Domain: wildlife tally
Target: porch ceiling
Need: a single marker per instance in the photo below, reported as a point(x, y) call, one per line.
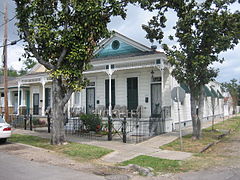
point(120, 69)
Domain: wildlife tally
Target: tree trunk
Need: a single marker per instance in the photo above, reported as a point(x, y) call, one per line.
point(213, 111)
point(194, 115)
point(197, 113)
point(58, 133)
point(200, 113)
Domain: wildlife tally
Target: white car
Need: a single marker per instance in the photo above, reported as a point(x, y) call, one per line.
point(5, 130)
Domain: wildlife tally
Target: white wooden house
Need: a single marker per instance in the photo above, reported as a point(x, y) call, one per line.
point(124, 73)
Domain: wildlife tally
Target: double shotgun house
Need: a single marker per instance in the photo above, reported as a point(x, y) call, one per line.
point(126, 79)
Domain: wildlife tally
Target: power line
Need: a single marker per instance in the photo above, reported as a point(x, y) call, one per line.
point(11, 43)
point(8, 21)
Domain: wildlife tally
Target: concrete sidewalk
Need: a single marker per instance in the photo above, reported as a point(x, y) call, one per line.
point(124, 151)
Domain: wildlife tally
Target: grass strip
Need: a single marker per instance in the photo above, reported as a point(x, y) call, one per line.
point(158, 164)
point(208, 136)
point(78, 151)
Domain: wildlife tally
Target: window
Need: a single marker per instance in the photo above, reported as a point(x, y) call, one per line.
point(115, 45)
point(77, 98)
point(158, 61)
point(1, 120)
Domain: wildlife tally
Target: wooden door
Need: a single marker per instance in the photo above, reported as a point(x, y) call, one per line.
point(35, 104)
point(107, 93)
point(132, 93)
point(156, 96)
point(47, 98)
point(90, 103)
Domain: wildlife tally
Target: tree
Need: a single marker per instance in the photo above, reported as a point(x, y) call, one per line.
point(62, 36)
point(233, 87)
point(203, 30)
point(27, 66)
point(11, 72)
point(213, 105)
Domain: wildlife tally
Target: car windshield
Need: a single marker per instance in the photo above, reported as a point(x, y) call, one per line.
point(1, 120)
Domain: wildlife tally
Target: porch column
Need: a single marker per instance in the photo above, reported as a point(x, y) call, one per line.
point(161, 68)
point(110, 72)
point(162, 74)
point(18, 107)
point(22, 97)
point(43, 97)
point(69, 104)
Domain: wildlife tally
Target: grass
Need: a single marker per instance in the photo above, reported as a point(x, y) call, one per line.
point(208, 136)
point(158, 164)
point(81, 152)
point(199, 160)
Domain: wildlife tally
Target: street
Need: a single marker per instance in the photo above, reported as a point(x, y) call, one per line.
point(15, 168)
point(226, 173)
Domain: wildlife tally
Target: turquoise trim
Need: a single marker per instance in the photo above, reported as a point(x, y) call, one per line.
point(220, 94)
point(207, 92)
point(185, 87)
point(214, 93)
point(114, 50)
point(15, 87)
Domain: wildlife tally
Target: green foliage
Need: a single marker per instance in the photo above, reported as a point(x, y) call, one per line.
point(38, 122)
point(28, 65)
point(233, 87)
point(62, 35)
point(11, 72)
point(92, 122)
point(203, 30)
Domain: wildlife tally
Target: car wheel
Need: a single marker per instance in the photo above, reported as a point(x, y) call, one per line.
point(3, 140)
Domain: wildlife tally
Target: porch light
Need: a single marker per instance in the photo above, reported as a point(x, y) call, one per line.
point(152, 72)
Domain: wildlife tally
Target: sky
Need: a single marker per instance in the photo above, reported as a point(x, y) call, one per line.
point(130, 27)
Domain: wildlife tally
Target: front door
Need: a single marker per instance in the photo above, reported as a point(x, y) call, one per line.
point(90, 104)
point(132, 93)
point(35, 104)
point(107, 92)
point(15, 103)
point(47, 98)
point(156, 96)
point(28, 101)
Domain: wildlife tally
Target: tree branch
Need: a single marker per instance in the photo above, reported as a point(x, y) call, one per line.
point(35, 53)
point(61, 58)
point(67, 96)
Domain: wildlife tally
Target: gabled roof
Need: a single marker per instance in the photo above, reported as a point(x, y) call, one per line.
point(118, 45)
point(124, 48)
point(37, 68)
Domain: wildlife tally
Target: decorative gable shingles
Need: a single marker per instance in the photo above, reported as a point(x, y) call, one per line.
point(123, 48)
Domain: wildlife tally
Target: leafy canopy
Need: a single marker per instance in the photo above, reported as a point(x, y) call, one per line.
point(233, 87)
point(62, 34)
point(202, 31)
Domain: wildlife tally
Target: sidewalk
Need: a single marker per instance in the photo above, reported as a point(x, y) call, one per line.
point(124, 151)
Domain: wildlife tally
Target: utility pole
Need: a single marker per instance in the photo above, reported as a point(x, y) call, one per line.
point(5, 63)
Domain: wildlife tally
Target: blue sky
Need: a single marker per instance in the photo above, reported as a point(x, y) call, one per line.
point(130, 27)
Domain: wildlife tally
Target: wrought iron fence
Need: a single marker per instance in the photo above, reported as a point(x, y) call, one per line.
point(129, 130)
point(28, 122)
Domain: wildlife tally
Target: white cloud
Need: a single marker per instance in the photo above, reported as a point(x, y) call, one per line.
point(132, 28)
point(14, 53)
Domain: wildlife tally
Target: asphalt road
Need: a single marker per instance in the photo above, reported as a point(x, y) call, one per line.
point(220, 174)
point(15, 168)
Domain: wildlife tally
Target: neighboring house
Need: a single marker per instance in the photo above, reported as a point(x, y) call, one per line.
point(126, 74)
point(15, 101)
point(228, 104)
